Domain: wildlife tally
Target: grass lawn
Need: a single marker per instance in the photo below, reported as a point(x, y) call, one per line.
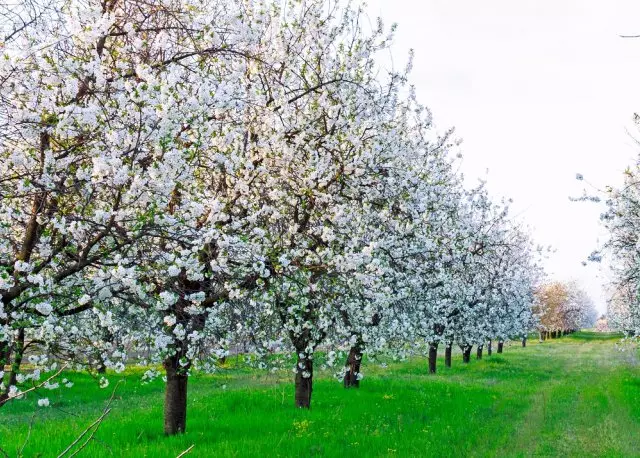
point(574, 396)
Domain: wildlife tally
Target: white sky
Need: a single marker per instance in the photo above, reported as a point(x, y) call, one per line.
point(538, 90)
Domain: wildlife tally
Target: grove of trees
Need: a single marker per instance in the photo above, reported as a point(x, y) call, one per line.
point(185, 179)
point(561, 308)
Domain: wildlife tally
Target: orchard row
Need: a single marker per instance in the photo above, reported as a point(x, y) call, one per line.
point(205, 177)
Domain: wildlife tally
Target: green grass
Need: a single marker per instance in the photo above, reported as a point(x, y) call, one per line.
point(575, 396)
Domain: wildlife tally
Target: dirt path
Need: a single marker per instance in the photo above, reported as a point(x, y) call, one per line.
point(587, 404)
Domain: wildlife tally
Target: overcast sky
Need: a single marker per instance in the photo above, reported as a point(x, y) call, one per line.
point(538, 90)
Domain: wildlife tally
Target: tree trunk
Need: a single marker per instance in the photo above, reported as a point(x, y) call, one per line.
point(304, 382)
point(5, 354)
point(433, 355)
point(466, 354)
point(524, 341)
point(479, 352)
point(500, 346)
point(489, 348)
point(352, 366)
point(17, 358)
point(175, 397)
point(4, 349)
point(447, 355)
point(5, 358)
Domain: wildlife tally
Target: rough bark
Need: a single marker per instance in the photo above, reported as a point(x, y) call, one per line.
point(524, 341)
point(479, 352)
point(500, 346)
point(4, 350)
point(466, 354)
point(489, 348)
point(447, 355)
point(433, 355)
point(304, 381)
point(352, 366)
point(5, 354)
point(17, 357)
point(175, 397)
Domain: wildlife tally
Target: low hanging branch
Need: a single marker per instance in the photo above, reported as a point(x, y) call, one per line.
point(35, 387)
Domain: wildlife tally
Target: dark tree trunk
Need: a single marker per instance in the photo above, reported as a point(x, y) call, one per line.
point(433, 355)
point(447, 355)
point(352, 366)
point(304, 382)
point(175, 397)
point(5, 354)
point(489, 348)
point(524, 342)
point(107, 336)
point(479, 352)
point(4, 349)
point(500, 346)
point(17, 358)
point(466, 354)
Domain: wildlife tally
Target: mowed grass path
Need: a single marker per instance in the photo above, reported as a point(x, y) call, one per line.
point(575, 396)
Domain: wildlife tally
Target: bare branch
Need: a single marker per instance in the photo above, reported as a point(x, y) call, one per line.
point(91, 429)
point(186, 451)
